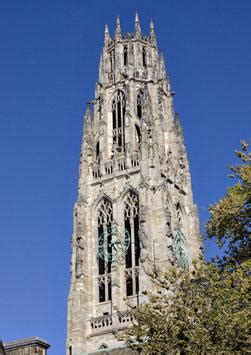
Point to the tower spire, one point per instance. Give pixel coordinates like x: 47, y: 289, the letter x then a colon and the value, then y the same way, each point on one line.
x: 118, y: 28
x: 107, y: 35
x: 87, y: 123
x: 137, y: 25
x: 152, y: 33
x: 131, y: 145
x: 162, y: 68
x: 88, y: 111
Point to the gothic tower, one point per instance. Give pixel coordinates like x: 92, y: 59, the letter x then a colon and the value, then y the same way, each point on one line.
x: 135, y: 208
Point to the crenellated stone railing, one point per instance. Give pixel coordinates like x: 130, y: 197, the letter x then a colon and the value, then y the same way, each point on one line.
x: 125, y: 316
x: 96, y: 171
x: 107, y: 322
x: 135, y: 158
x: 121, y: 164
x: 109, y: 167
x: 101, y: 322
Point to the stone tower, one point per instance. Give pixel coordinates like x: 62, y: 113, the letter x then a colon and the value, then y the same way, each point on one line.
x: 135, y: 208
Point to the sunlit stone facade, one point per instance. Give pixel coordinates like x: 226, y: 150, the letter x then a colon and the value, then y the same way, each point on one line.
x: 135, y: 207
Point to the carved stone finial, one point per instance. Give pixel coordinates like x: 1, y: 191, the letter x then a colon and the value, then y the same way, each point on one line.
x: 107, y: 35
x: 152, y: 33
x: 118, y: 29
x: 137, y: 25
x: 80, y: 248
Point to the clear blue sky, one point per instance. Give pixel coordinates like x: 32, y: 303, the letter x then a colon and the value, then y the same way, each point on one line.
x: 49, y: 52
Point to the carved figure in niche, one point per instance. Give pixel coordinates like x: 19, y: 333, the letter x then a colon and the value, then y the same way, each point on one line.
x: 89, y: 151
x: 100, y: 102
x: 182, y: 178
x: 181, y: 162
x: 80, y: 247
x: 142, y: 233
x: 143, y: 241
x: 169, y: 164
x: 79, y: 226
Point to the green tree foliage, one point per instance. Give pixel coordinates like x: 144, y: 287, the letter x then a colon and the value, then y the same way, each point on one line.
x: 204, y: 310
x: 230, y: 218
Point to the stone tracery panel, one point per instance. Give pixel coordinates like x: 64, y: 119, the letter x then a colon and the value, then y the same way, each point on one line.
x: 118, y: 120
x: 131, y: 222
x: 104, y: 224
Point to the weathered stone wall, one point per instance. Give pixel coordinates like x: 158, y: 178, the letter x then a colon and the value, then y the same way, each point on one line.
x: 151, y: 164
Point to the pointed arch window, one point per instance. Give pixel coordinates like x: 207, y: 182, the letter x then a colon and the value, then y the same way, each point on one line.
x: 97, y: 151
x: 125, y: 55
x: 140, y: 104
x: 118, y: 119
x: 131, y: 221
x: 144, y: 56
x: 104, y: 222
x: 112, y: 60
x: 138, y: 135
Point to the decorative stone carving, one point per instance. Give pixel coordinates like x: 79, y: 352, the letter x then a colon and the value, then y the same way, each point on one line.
x: 169, y: 163
x: 178, y: 212
x: 80, y: 247
x: 130, y: 179
x: 182, y: 176
x: 143, y: 236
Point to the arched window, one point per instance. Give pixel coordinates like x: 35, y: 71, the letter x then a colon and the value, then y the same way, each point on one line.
x: 112, y: 60
x: 105, y: 220
x: 144, y: 56
x: 118, y: 119
x: 125, y: 55
x: 140, y: 104
x: 131, y: 220
x: 138, y: 135
x: 97, y: 151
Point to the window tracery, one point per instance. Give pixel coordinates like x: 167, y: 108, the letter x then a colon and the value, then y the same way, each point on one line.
x: 112, y: 61
x: 125, y: 55
x: 144, y: 56
x: 138, y: 135
x: 104, y: 221
x: 140, y: 104
x: 118, y: 119
x: 131, y: 220
x: 97, y: 152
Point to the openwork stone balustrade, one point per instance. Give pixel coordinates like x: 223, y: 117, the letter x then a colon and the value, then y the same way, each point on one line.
x: 105, y: 322
x: 109, y: 167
